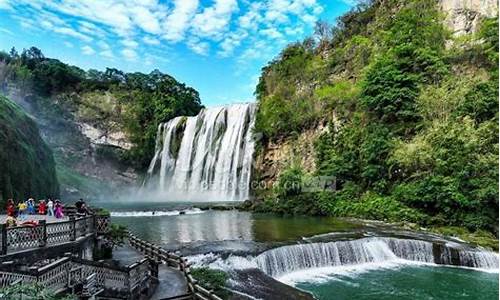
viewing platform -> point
(46, 233)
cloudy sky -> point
(216, 46)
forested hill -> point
(28, 168)
(100, 125)
(404, 114)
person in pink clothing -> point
(59, 210)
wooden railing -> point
(25, 237)
(157, 253)
(65, 273)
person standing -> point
(31, 206)
(50, 208)
(11, 209)
(42, 207)
(22, 209)
(59, 210)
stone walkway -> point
(171, 281)
(25, 218)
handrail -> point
(26, 237)
(171, 259)
(60, 275)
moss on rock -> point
(27, 163)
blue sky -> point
(217, 46)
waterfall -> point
(205, 157)
(287, 259)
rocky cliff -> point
(461, 17)
(87, 146)
(27, 163)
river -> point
(368, 266)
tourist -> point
(42, 207)
(11, 209)
(31, 206)
(50, 207)
(22, 209)
(59, 209)
(11, 221)
(81, 207)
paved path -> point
(171, 281)
(126, 255)
(34, 218)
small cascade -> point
(206, 157)
(287, 259)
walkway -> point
(49, 231)
(171, 283)
(35, 218)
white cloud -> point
(71, 32)
(68, 44)
(146, 20)
(4, 4)
(271, 33)
(198, 46)
(91, 29)
(252, 18)
(150, 40)
(87, 50)
(129, 54)
(4, 30)
(231, 42)
(214, 20)
(178, 21)
(130, 43)
(225, 25)
(103, 45)
(107, 53)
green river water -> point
(239, 231)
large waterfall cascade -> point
(205, 157)
(288, 259)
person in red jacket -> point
(42, 207)
(11, 209)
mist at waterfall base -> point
(204, 158)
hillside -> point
(28, 167)
(100, 125)
(397, 104)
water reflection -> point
(215, 226)
(209, 226)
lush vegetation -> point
(28, 167)
(30, 292)
(131, 102)
(214, 280)
(412, 114)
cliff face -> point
(276, 156)
(86, 140)
(27, 163)
(461, 17)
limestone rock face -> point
(277, 156)
(105, 137)
(463, 16)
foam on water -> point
(157, 213)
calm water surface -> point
(167, 227)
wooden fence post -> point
(3, 249)
(43, 235)
(72, 228)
